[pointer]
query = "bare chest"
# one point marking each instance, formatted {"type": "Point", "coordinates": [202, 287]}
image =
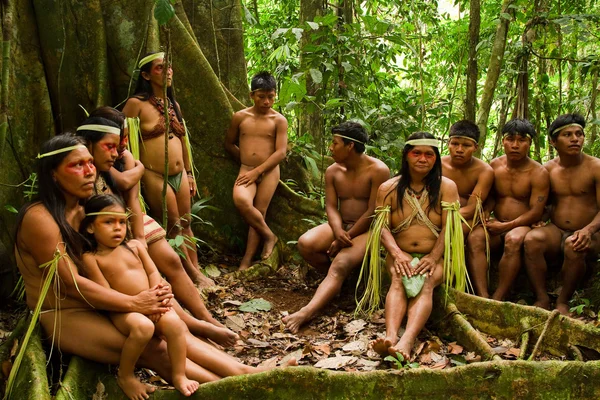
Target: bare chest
{"type": "Point", "coordinates": [258, 128]}
{"type": "Point", "coordinates": [515, 184]}
{"type": "Point", "coordinates": [352, 185]}
{"type": "Point", "coordinates": [572, 182]}
{"type": "Point", "coordinates": [118, 264]}
{"type": "Point", "coordinates": [465, 180]}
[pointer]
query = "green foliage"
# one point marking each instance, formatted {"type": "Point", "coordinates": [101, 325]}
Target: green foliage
{"type": "Point", "coordinates": [579, 305]}
{"type": "Point", "coordinates": [164, 11]}
{"type": "Point", "coordinates": [401, 362]}
{"type": "Point", "coordinates": [255, 305]}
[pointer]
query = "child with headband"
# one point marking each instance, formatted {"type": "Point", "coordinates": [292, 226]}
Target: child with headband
{"type": "Point", "coordinates": [125, 266]}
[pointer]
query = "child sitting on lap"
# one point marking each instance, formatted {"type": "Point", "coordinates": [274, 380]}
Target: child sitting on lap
{"type": "Point", "coordinates": [125, 266]}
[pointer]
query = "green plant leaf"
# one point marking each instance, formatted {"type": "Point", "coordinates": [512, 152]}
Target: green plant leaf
{"type": "Point", "coordinates": [255, 305]}
{"type": "Point", "coordinates": [11, 209]}
{"type": "Point", "coordinates": [316, 75]}
{"type": "Point", "coordinates": [163, 11]}
{"type": "Point", "coordinates": [313, 25]}
{"type": "Point", "coordinates": [212, 271]}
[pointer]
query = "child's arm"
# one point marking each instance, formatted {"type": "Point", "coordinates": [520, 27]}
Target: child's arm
{"type": "Point", "coordinates": [132, 200]}
{"type": "Point", "coordinates": [231, 138]}
{"type": "Point", "coordinates": [92, 270]}
{"type": "Point", "coordinates": [281, 126]}
{"type": "Point", "coordinates": [134, 170]}
{"type": "Point", "coordinates": [154, 277]}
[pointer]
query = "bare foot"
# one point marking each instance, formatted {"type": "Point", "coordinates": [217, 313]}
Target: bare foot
{"type": "Point", "coordinates": [382, 346]}
{"type": "Point", "coordinates": [543, 303]}
{"type": "Point", "coordinates": [221, 335]}
{"type": "Point", "coordinates": [400, 349]}
{"type": "Point", "coordinates": [292, 362]}
{"type": "Point", "coordinates": [204, 281]}
{"type": "Point", "coordinates": [296, 320]}
{"type": "Point", "coordinates": [133, 388]}
{"type": "Point", "coordinates": [268, 247]}
{"type": "Point", "coordinates": [563, 309]}
{"type": "Point", "coordinates": [245, 264]}
{"type": "Point", "coordinates": [185, 386]}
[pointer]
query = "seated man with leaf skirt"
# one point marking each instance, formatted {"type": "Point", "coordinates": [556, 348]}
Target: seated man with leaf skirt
{"type": "Point", "coordinates": [350, 192]}
{"type": "Point", "coordinates": [411, 223]}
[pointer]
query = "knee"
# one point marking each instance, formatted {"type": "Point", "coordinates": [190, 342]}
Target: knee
{"type": "Point", "coordinates": [143, 330]}
{"type": "Point", "coordinates": [169, 264]}
{"type": "Point", "coordinates": [305, 245]}
{"type": "Point", "coordinates": [242, 204]}
{"type": "Point", "coordinates": [339, 269]}
{"type": "Point", "coordinates": [570, 252]}
{"type": "Point", "coordinates": [533, 244]}
{"type": "Point", "coordinates": [476, 239]}
{"type": "Point", "coordinates": [513, 243]}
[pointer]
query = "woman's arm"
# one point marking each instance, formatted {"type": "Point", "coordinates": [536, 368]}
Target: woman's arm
{"type": "Point", "coordinates": [134, 170]}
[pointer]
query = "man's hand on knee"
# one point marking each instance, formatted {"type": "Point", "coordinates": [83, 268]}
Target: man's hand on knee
{"type": "Point", "coordinates": [582, 240]}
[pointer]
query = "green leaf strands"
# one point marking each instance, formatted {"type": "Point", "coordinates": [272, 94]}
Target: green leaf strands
{"type": "Point", "coordinates": [455, 268]}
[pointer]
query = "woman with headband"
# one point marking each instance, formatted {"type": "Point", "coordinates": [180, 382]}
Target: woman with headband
{"type": "Point", "coordinates": [103, 136]}
{"type": "Point", "coordinates": [47, 249]}
{"type": "Point", "coordinates": [148, 105]}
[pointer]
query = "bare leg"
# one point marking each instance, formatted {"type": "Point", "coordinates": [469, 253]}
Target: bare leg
{"type": "Point", "coordinates": [251, 247]}
{"type": "Point", "coordinates": [395, 309]}
{"type": "Point", "coordinates": [477, 260]}
{"type": "Point", "coordinates": [218, 334]}
{"type": "Point", "coordinates": [264, 193]}
{"type": "Point", "coordinates": [419, 310]}
{"type": "Point", "coordinates": [175, 332]}
{"type": "Point", "coordinates": [538, 243]}
{"type": "Point", "coordinates": [346, 260]}
{"type": "Point", "coordinates": [511, 260]}
{"type": "Point", "coordinates": [169, 264]}
{"type": "Point", "coordinates": [139, 330]}
{"type": "Point", "coordinates": [313, 246]}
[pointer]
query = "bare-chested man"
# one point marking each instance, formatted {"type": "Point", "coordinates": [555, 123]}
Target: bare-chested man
{"type": "Point", "coordinates": [519, 194]}
{"type": "Point", "coordinates": [419, 187]}
{"type": "Point", "coordinates": [350, 193]}
{"type": "Point", "coordinates": [257, 138]}
{"type": "Point", "coordinates": [473, 177]}
{"type": "Point", "coordinates": [574, 213]}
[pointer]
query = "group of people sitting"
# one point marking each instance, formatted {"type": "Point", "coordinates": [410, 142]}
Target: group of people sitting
{"type": "Point", "coordinates": [106, 253]}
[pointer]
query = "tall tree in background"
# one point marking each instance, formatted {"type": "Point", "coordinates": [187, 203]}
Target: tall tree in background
{"type": "Point", "coordinates": [472, 70]}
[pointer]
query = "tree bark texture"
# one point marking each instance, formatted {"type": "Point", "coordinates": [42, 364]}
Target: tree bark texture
{"type": "Point", "coordinates": [472, 70]}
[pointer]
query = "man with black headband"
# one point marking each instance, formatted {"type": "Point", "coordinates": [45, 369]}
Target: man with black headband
{"type": "Point", "coordinates": [574, 213]}
{"type": "Point", "coordinates": [518, 198]}
{"type": "Point", "coordinates": [338, 246]}
{"type": "Point", "coordinates": [472, 176]}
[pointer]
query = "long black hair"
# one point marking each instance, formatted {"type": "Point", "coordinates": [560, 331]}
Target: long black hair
{"type": "Point", "coordinates": [117, 117]}
{"type": "Point", "coordinates": [433, 180]}
{"type": "Point", "coordinates": [96, 204]}
{"type": "Point", "coordinates": [50, 194]}
{"type": "Point", "coordinates": [143, 88]}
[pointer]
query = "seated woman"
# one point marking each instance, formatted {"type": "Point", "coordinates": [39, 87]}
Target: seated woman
{"type": "Point", "coordinates": [104, 137]}
{"type": "Point", "coordinates": [149, 105]}
{"type": "Point", "coordinates": [47, 236]}
{"type": "Point", "coordinates": [412, 207]}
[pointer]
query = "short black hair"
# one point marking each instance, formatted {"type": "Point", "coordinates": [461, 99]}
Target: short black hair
{"type": "Point", "coordinates": [564, 120]}
{"type": "Point", "coordinates": [263, 81]}
{"type": "Point", "coordinates": [95, 136]}
{"type": "Point", "coordinates": [353, 130]}
{"type": "Point", "coordinates": [465, 128]}
{"type": "Point", "coordinates": [519, 126]}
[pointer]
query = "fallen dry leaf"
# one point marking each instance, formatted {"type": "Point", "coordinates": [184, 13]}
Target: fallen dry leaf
{"type": "Point", "coordinates": [269, 363]}
{"type": "Point", "coordinates": [514, 352]}
{"type": "Point", "coordinates": [295, 354]}
{"type": "Point", "coordinates": [322, 348]}
{"type": "Point", "coordinates": [258, 343]}
{"type": "Point", "coordinates": [472, 357]}
{"type": "Point", "coordinates": [14, 349]}
{"type": "Point", "coordinates": [357, 347]}
{"type": "Point", "coordinates": [499, 349]}
{"type": "Point", "coordinates": [100, 392]}
{"type": "Point", "coordinates": [355, 326]}
{"type": "Point", "coordinates": [336, 362]}
{"type": "Point", "coordinates": [454, 348]}
{"type": "Point", "coordinates": [235, 323]}
{"type": "Point", "coordinates": [367, 365]}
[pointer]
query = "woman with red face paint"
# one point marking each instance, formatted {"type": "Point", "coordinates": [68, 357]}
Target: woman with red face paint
{"type": "Point", "coordinates": [103, 136]}
{"type": "Point", "coordinates": [148, 104]}
{"type": "Point", "coordinates": [48, 246]}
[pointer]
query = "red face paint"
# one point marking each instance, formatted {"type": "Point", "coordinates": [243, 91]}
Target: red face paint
{"type": "Point", "coordinates": [417, 154]}
{"type": "Point", "coordinates": [80, 167]}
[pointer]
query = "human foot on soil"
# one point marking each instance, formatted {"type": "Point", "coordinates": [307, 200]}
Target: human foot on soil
{"type": "Point", "coordinates": [382, 346]}
{"type": "Point", "coordinates": [204, 281]}
{"type": "Point", "coordinates": [563, 309]}
{"type": "Point", "coordinates": [543, 303]}
{"type": "Point", "coordinates": [133, 388]}
{"type": "Point", "coordinates": [403, 347]}
{"type": "Point", "coordinates": [268, 247]}
{"type": "Point", "coordinates": [222, 336]}
{"type": "Point", "coordinates": [185, 386]}
{"type": "Point", "coordinates": [296, 320]}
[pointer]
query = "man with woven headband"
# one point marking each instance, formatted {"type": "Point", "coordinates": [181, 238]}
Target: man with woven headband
{"type": "Point", "coordinates": [257, 139]}
{"type": "Point", "coordinates": [338, 246]}
{"type": "Point", "coordinates": [574, 214]}
{"type": "Point", "coordinates": [413, 210]}
{"type": "Point", "coordinates": [472, 176]}
{"type": "Point", "coordinates": [518, 198]}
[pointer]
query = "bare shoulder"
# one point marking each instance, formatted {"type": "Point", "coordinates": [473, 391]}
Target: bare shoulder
{"type": "Point", "coordinates": [537, 168]}
{"type": "Point", "coordinates": [550, 165]}
{"type": "Point", "coordinates": [498, 162]}
{"type": "Point", "coordinates": [448, 184]}
{"type": "Point", "coordinates": [132, 107]}
{"type": "Point", "coordinates": [38, 217]}
{"type": "Point", "coordinates": [482, 166]}
{"type": "Point", "coordinates": [135, 245]}
{"type": "Point", "coordinates": [333, 170]}
{"type": "Point", "coordinates": [389, 185]}
{"type": "Point", "coordinates": [241, 115]}
{"type": "Point", "coordinates": [89, 258]}
{"type": "Point", "coordinates": [591, 161]}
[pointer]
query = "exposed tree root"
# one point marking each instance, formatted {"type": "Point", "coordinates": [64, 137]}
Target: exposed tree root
{"type": "Point", "coordinates": [535, 350]}
{"type": "Point", "coordinates": [525, 338]}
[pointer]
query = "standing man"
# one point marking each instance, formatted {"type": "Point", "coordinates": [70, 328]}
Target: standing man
{"type": "Point", "coordinates": [574, 213]}
{"type": "Point", "coordinates": [473, 177]}
{"type": "Point", "coordinates": [257, 138]}
{"type": "Point", "coordinates": [350, 193]}
{"type": "Point", "coordinates": [520, 192]}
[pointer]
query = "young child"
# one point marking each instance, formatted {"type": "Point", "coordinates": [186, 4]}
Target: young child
{"type": "Point", "coordinates": [257, 138]}
{"type": "Point", "coordinates": [125, 266]}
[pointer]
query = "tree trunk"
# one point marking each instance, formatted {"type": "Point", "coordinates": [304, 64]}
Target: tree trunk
{"type": "Point", "coordinates": [592, 110]}
{"type": "Point", "coordinates": [493, 72]}
{"type": "Point", "coordinates": [472, 71]}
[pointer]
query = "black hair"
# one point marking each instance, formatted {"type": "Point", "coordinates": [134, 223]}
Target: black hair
{"type": "Point", "coordinates": [50, 194]}
{"type": "Point", "coordinates": [263, 81]}
{"type": "Point", "coordinates": [143, 88]}
{"type": "Point", "coordinates": [433, 180]}
{"type": "Point", "coordinates": [96, 204]}
{"type": "Point", "coordinates": [465, 128]}
{"type": "Point", "coordinates": [519, 126]}
{"type": "Point", "coordinates": [563, 120]}
{"type": "Point", "coordinates": [355, 131]}
{"type": "Point", "coordinates": [95, 136]}
{"type": "Point", "coordinates": [116, 116]}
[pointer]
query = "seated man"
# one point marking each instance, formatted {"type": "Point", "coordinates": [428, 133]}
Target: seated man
{"type": "Point", "coordinates": [417, 221]}
{"type": "Point", "coordinates": [519, 195]}
{"type": "Point", "coordinates": [472, 176]}
{"type": "Point", "coordinates": [574, 213]}
{"type": "Point", "coordinates": [350, 193]}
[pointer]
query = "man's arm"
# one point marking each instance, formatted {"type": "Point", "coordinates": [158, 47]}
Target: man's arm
{"type": "Point", "coordinates": [232, 135]}
{"type": "Point", "coordinates": [42, 238]}
{"type": "Point", "coordinates": [281, 126]}
{"type": "Point", "coordinates": [482, 189]}
{"type": "Point", "coordinates": [334, 218]}
{"type": "Point", "coordinates": [582, 239]}
{"type": "Point", "coordinates": [380, 174]}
